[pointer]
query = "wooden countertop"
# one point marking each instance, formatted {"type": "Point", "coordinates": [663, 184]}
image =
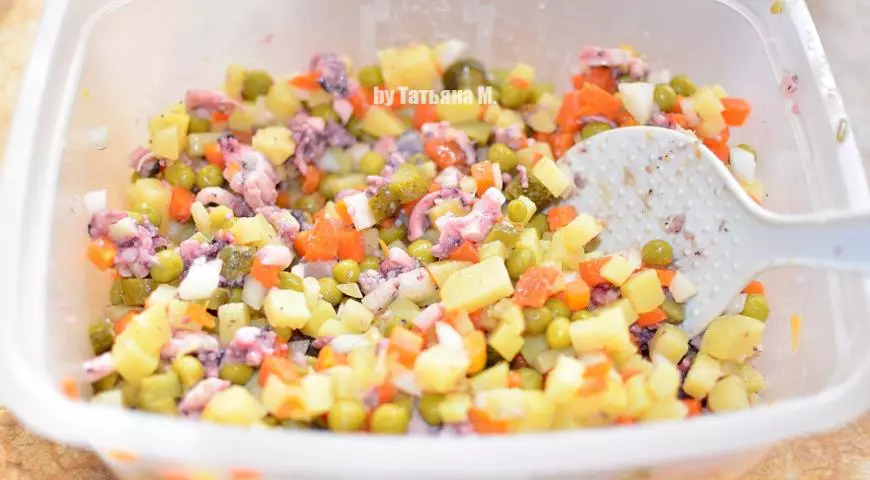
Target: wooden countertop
{"type": "Point", "coordinates": [842, 455]}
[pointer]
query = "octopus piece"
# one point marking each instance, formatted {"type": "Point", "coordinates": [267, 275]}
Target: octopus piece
{"type": "Point", "coordinates": [675, 223]}
{"type": "Point", "coordinates": [136, 254]}
{"type": "Point", "coordinates": [397, 263]}
{"type": "Point", "coordinates": [309, 133]}
{"type": "Point", "coordinates": [100, 222]}
{"type": "Point", "coordinates": [449, 177]}
{"type": "Point", "coordinates": [597, 119]}
{"type": "Point", "coordinates": [208, 101]}
{"type": "Point", "coordinates": [317, 269]}
{"type": "Point", "coordinates": [524, 176]}
{"type": "Point", "coordinates": [409, 144]}
{"type": "Point", "coordinates": [249, 173]}
{"type": "Point", "coordinates": [283, 220]}
{"type": "Point", "coordinates": [338, 136]}
{"type": "Point", "coordinates": [604, 57]}
{"type": "Point", "coordinates": [472, 227]}
{"type": "Point", "coordinates": [190, 250]}
{"type": "Point", "coordinates": [99, 367]}
{"type": "Point", "coordinates": [381, 297]}
{"type": "Point", "coordinates": [184, 343]}
{"type": "Point", "coordinates": [250, 345]}
{"type": "Point", "coordinates": [332, 73]}
{"type": "Point", "coordinates": [277, 255]}
{"type": "Point", "coordinates": [198, 397]}
{"type": "Point", "coordinates": [343, 108]}
{"type": "Point", "coordinates": [427, 318]}
{"type": "Point", "coordinates": [220, 196]}
{"type": "Point", "coordinates": [514, 136]}
{"type": "Point", "coordinates": [603, 295]}
{"type": "Point", "coordinates": [145, 162]}
{"type": "Point", "coordinates": [369, 281]}
{"type": "Point", "coordinates": [418, 220]}
{"type": "Point", "coordinates": [443, 130]}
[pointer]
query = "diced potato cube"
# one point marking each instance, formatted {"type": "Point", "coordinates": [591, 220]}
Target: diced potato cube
{"type": "Point", "coordinates": [702, 375]}
{"type": "Point", "coordinates": [542, 121]}
{"type": "Point", "coordinates": [355, 316]}
{"type": "Point", "coordinates": [254, 231]}
{"type": "Point", "coordinates": [456, 112]}
{"type": "Point", "coordinates": [161, 296]}
{"type": "Point", "coordinates": [150, 329]}
{"type": "Point", "coordinates": [625, 309]}
{"type": "Point", "coordinates": [493, 249]}
{"type": "Point", "coordinates": [617, 270]}
{"type": "Point", "coordinates": [154, 192]}
{"type": "Point", "coordinates": [512, 315]}
{"type": "Point", "coordinates": [507, 340]}
{"type": "Point", "coordinates": [752, 379]}
{"type": "Point", "coordinates": [477, 286]}
{"type": "Point", "coordinates": [644, 291]}
{"type": "Point", "coordinates": [666, 409]}
{"type": "Point", "coordinates": [507, 118]}
{"type": "Point", "coordinates": [606, 330]}
{"type": "Point", "coordinates": [277, 395]}
{"type": "Point", "coordinates": [442, 270]}
{"type": "Point", "coordinates": [345, 382]}
{"type": "Point", "coordinates": [362, 360]}
{"type": "Point", "coordinates": [682, 288]}
{"type": "Point", "coordinates": [539, 412]}
{"type": "Point", "coordinates": [526, 156]}
{"type": "Point", "coordinates": [564, 380]}
{"type": "Point", "coordinates": [439, 369]}
{"type": "Point", "coordinates": [551, 176]}
{"type": "Point", "coordinates": [133, 362]}
{"type": "Point", "coordinates": [728, 394]}
{"type": "Point", "coordinates": [234, 406]}
{"type": "Point", "coordinates": [275, 142]}
{"type": "Point", "coordinates": [452, 205]}
{"type": "Point", "coordinates": [333, 327]}
{"type": "Point", "coordinates": [664, 381]}
{"type": "Point", "coordinates": [547, 360]}
{"type": "Point", "coordinates": [639, 400]}
{"type": "Point", "coordinates": [379, 122]}
{"type": "Point", "coordinates": [234, 80]}
{"type": "Point", "coordinates": [532, 347]}
{"type": "Point", "coordinates": [321, 312]}
{"type": "Point", "coordinates": [732, 337]}
{"type": "Point", "coordinates": [636, 364]}
{"type": "Point", "coordinates": [169, 134]}
{"type": "Point", "coordinates": [504, 403]}
{"type": "Point", "coordinates": [317, 394]}
{"type": "Point", "coordinates": [176, 312]}
{"type": "Point", "coordinates": [286, 308]}
{"type": "Point", "coordinates": [282, 101]}
{"type": "Point", "coordinates": [412, 67]}
{"type": "Point", "coordinates": [492, 378]}
{"type": "Point", "coordinates": [454, 408]}
{"type": "Point", "coordinates": [522, 73]}
{"type": "Point", "coordinates": [231, 317]}
{"type": "Point", "coordinates": [670, 342]}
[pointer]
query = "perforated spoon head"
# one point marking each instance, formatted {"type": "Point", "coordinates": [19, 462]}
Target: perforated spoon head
{"type": "Point", "coordinates": [649, 183]}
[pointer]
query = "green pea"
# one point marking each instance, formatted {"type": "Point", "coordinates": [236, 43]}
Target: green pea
{"type": "Point", "coordinates": [683, 86]}
{"type": "Point", "coordinates": [180, 175]}
{"type": "Point", "coordinates": [236, 373]}
{"type": "Point", "coordinates": [539, 222]}
{"type": "Point", "coordinates": [421, 250]}
{"type": "Point", "coordinates": [325, 112]}
{"type": "Point", "coordinates": [558, 308]}
{"type": "Point", "coordinates": [390, 418]}
{"type": "Point", "coordinates": [559, 333]}
{"type": "Point", "coordinates": [115, 295]}
{"type": "Point", "coordinates": [581, 315]}
{"type": "Point", "coordinates": [593, 128]}
{"type": "Point", "coordinates": [310, 203]}
{"type": "Point", "coordinates": [530, 379]}
{"type": "Point", "coordinates": [199, 125]}
{"type": "Point", "coordinates": [148, 212]}
{"type": "Point", "coordinates": [329, 290]}
{"type": "Point", "coordinates": [136, 290]}
{"type": "Point", "coordinates": [519, 261]}
{"type": "Point", "coordinates": [354, 127]}
{"type": "Point", "coordinates": [237, 261]}
{"type": "Point", "coordinates": [102, 336]}
{"type": "Point", "coordinates": [235, 295]}
{"type": "Point", "coordinates": [665, 97]}
{"type": "Point", "coordinates": [372, 163]}
{"type": "Point", "coordinates": [189, 370]}
{"type": "Point", "coordinates": [513, 96]}
{"type": "Point", "coordinates": [517, 211]}
{"type": "Point", "coordinates": [209, 175]}
{"type": "Point", "coordinates": [429, 408]}
{"type": "Point", "coordinates": [257, 83]}
{"type": "Point", "coordinates": [537, 319]}
{"type": "Point", "coordinates": [346, 271]}
{"type": "Point", "coordinates": [391, 234]}
{"type": "Point", "coordinates": [346, 415]}
{"type": "Point", "coordinates": [370, 263]}
{"type": "Point", "coordinates": [167, 267]}
{"type": "Point", "coordinates": [289, 281]}
{"type": "Point", "coordinates": [676, 312]}
{"type": "Point", "coordinates": [370, 76]}
{"type": "Point", "coordinates": [464, 74]}
{"type": "Point", "coordinates": [501, 154]}
{"type": "Point", "coordinates": [657, 253]}
{"type": "Point", "coordinates": [756, 307]}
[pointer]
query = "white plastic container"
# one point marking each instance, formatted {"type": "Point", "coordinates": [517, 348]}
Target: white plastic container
{"type": "Point", "coordinates": [113, 63]}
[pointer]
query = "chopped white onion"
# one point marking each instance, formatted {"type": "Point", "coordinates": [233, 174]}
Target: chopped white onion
{"type": "Point", "coordinates": [407, 383]}
{"type": "Point", "coordinates": [343, 108]}
{"type": "Point", "coordinates": [298, 270]}
{"type": "Point", "coordinates": [417, 286]}
{"type": "Point", "coordinates": [638, 99]}
{"type": "Point", "coordinates": [357, 151]}
{"type": "Point", "coordinates": [253, 293]}
{"type": "Point", "coordinates": [359, 210]}
{"type": "Point", "coordinates": [328, 162]}
{"type": "Point", "coordinates": [449, 337]}
{"type": "Point", "coordinates": [276, 255]}
{"type": "Point", "coordinates": [201, 281]}
{"type": "Point", "coordinates": [95, 201]}
{"type": "Point", "coordinates": [345, 343]}
{"type": "Point", "coordinates": [736, 305]}
{"type": "Point", "coordinates": [634, 257]}
{"type": "Point", "coordinates": [682, 288]}
{"type": "Point", "coordinates": [742, 164]}
{"type": "Point", "coordinates": [498, 181]}
{"type": "Point", "coordinates": [659, 76]}
{"type": "Point", "coordinates": [161, 295]}
{"type": "Point", "coordinates": [98, 138]}
{"type": "Point", "coordinates": [449, 51]}
{"type": "Point", "coordinates": [350, 289]}
{"type": "Point", "coordinates": [299, 347]}
{"type": "Point", "coordinates": [688, 108]}
{"type": "Point", "coordinates": [123, 229]}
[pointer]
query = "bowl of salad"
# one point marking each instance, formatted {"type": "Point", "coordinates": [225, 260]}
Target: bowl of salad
{"type": "Point", "coordinates": [362, 251]}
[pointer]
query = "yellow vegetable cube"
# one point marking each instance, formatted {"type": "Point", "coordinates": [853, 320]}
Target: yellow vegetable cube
{"type": "Point", "coordinates": [638, 398]}
{"type": "Point", "coordinates": [412, 67]}
{"type": "Point", "coordinates": [702, 375]}
{"type": "Point", "coordinates": [176, 312]}
{"type": "Point", "coordinates": [551, 176]}
{"type": "Point", "coordinates": [752, 379]}
{"type": "Point", "coordinates": [617, 270]}
{"type": "Point", "coordinates": [539, 412]}
{"type": "Point", "coordinates": [477, 286]}
{"type": "Point", "coordinates": [547, 360]}
{"type": "Point", "coordinates": [670, 342]}
{"type": "Point", "coordinates": [234, 80]}
{"type": "Point", "coordinates": [454, 408]}
{"type": "Point", "coordinates": [664, 381]}
{"type": "Point", "coordinates": [456, 112]}
{"type": "Point", "coordinates": [321, 312]}
{"type": "Point", "coordinates": [606, 330]}
{"type": "Point", "coordinates": [527, 156]}
{"type": "Point", "coordinates": [507, 118]}
{"type": "Point", "coordinates": [282, 101]}
{"type": "Point", "coordinates": [332, 327]}
{"type": "Point", "coordinates": [362, 360]}
{"type": "Point", "coordinates": [442, 270]}
{"type": "Point", "coordinates": [452, 205]}
{"type": "Point", "coordinates": [732, 337]}
{"type": "Point", "coordinates": [345, 382]}
{"type": "Point", "coordinates": [133, 362]}
{"type": "Point", "coordinates": [150, 329]}
{"type": "Point", "coordinates": [666, 409]}
{"type": "Point", "coordinates": [231, 317]}
{"type": "Point", "coordinates": [355, 316]}
{"type": "Point", "coordinates": [493, 249]}
{"type": "Point", "coordinates": [169, 134]}
{"type": "Point", "coordinates": [644, 291]}
{"type": "Point", "coordinates": [564, 380]}
{"type": "Point", "coordinates": [625, 310]}
{"type": "Point", "coordinates": [275, 142]}
{"type": "Point", "coordinates": [529, 239]}
{"type": "Point", "coordinates": [439, 369]}
{"type": "Point", "coordinates": [532, 347]}
{"type": "Point", "coordinates": [728, 394]}
{"type": "Point", "coordinates": [253, 231]}
{"type": "Point", "coordinates": [494, 377]}
{"type": "Point", "coordinates": [507, 340]}
{"type": "Point", "coordinates": [523, 73]}
{"type": "Point", "coordinates": [512, 315]}
{"type": "Point", "coordinates": [380, 122]}
{"type": "Point", "coordinates": [317, 394]}
{"type": "Point", "coordinates": [504, 403]}
{"type": "Point", "coordinates": [276, 393]}
{"type": "Point", "coordinates": [234, 406]}
{"type": "Point", "coordinates": [286, 308]}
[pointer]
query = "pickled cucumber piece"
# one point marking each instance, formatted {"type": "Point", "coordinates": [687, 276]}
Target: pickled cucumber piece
{"type": "Point", "coordinates": [536, 192]}
{"type": "Point", "coordinates": [102, 336]}
{"type": "Point", "coordinates": [464, 74]}
{"type": "Point", "coordinates": [504, 233]}
{"type": "Point", "coordinates": [237, 261]}
{"type": "Point", "coordinates": [383, 205]}
{"type": "Point", "coordinates": [157, 392]}
{"type": "Point", "coordinates": [408, 184]}
{"type": "Point", "coordinates": [135, 291]}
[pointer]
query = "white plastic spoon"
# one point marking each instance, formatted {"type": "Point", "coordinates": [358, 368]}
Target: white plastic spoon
{"type": "Point", "coordinates": [648, 182]}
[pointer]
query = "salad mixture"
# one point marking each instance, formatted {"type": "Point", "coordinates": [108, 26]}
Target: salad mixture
{"type": "Point", "coordinates": [292, 253]}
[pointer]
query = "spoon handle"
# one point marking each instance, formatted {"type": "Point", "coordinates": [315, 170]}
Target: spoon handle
{"type": "Point", "coordinates": [833, 240]}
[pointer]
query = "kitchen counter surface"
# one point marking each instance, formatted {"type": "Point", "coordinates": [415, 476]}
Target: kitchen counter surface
{"type": "Point", "coordinates": [844, 26]}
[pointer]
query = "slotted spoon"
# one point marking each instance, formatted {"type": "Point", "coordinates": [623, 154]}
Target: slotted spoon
{"type": "Point", "coordinates": [649, 182]}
